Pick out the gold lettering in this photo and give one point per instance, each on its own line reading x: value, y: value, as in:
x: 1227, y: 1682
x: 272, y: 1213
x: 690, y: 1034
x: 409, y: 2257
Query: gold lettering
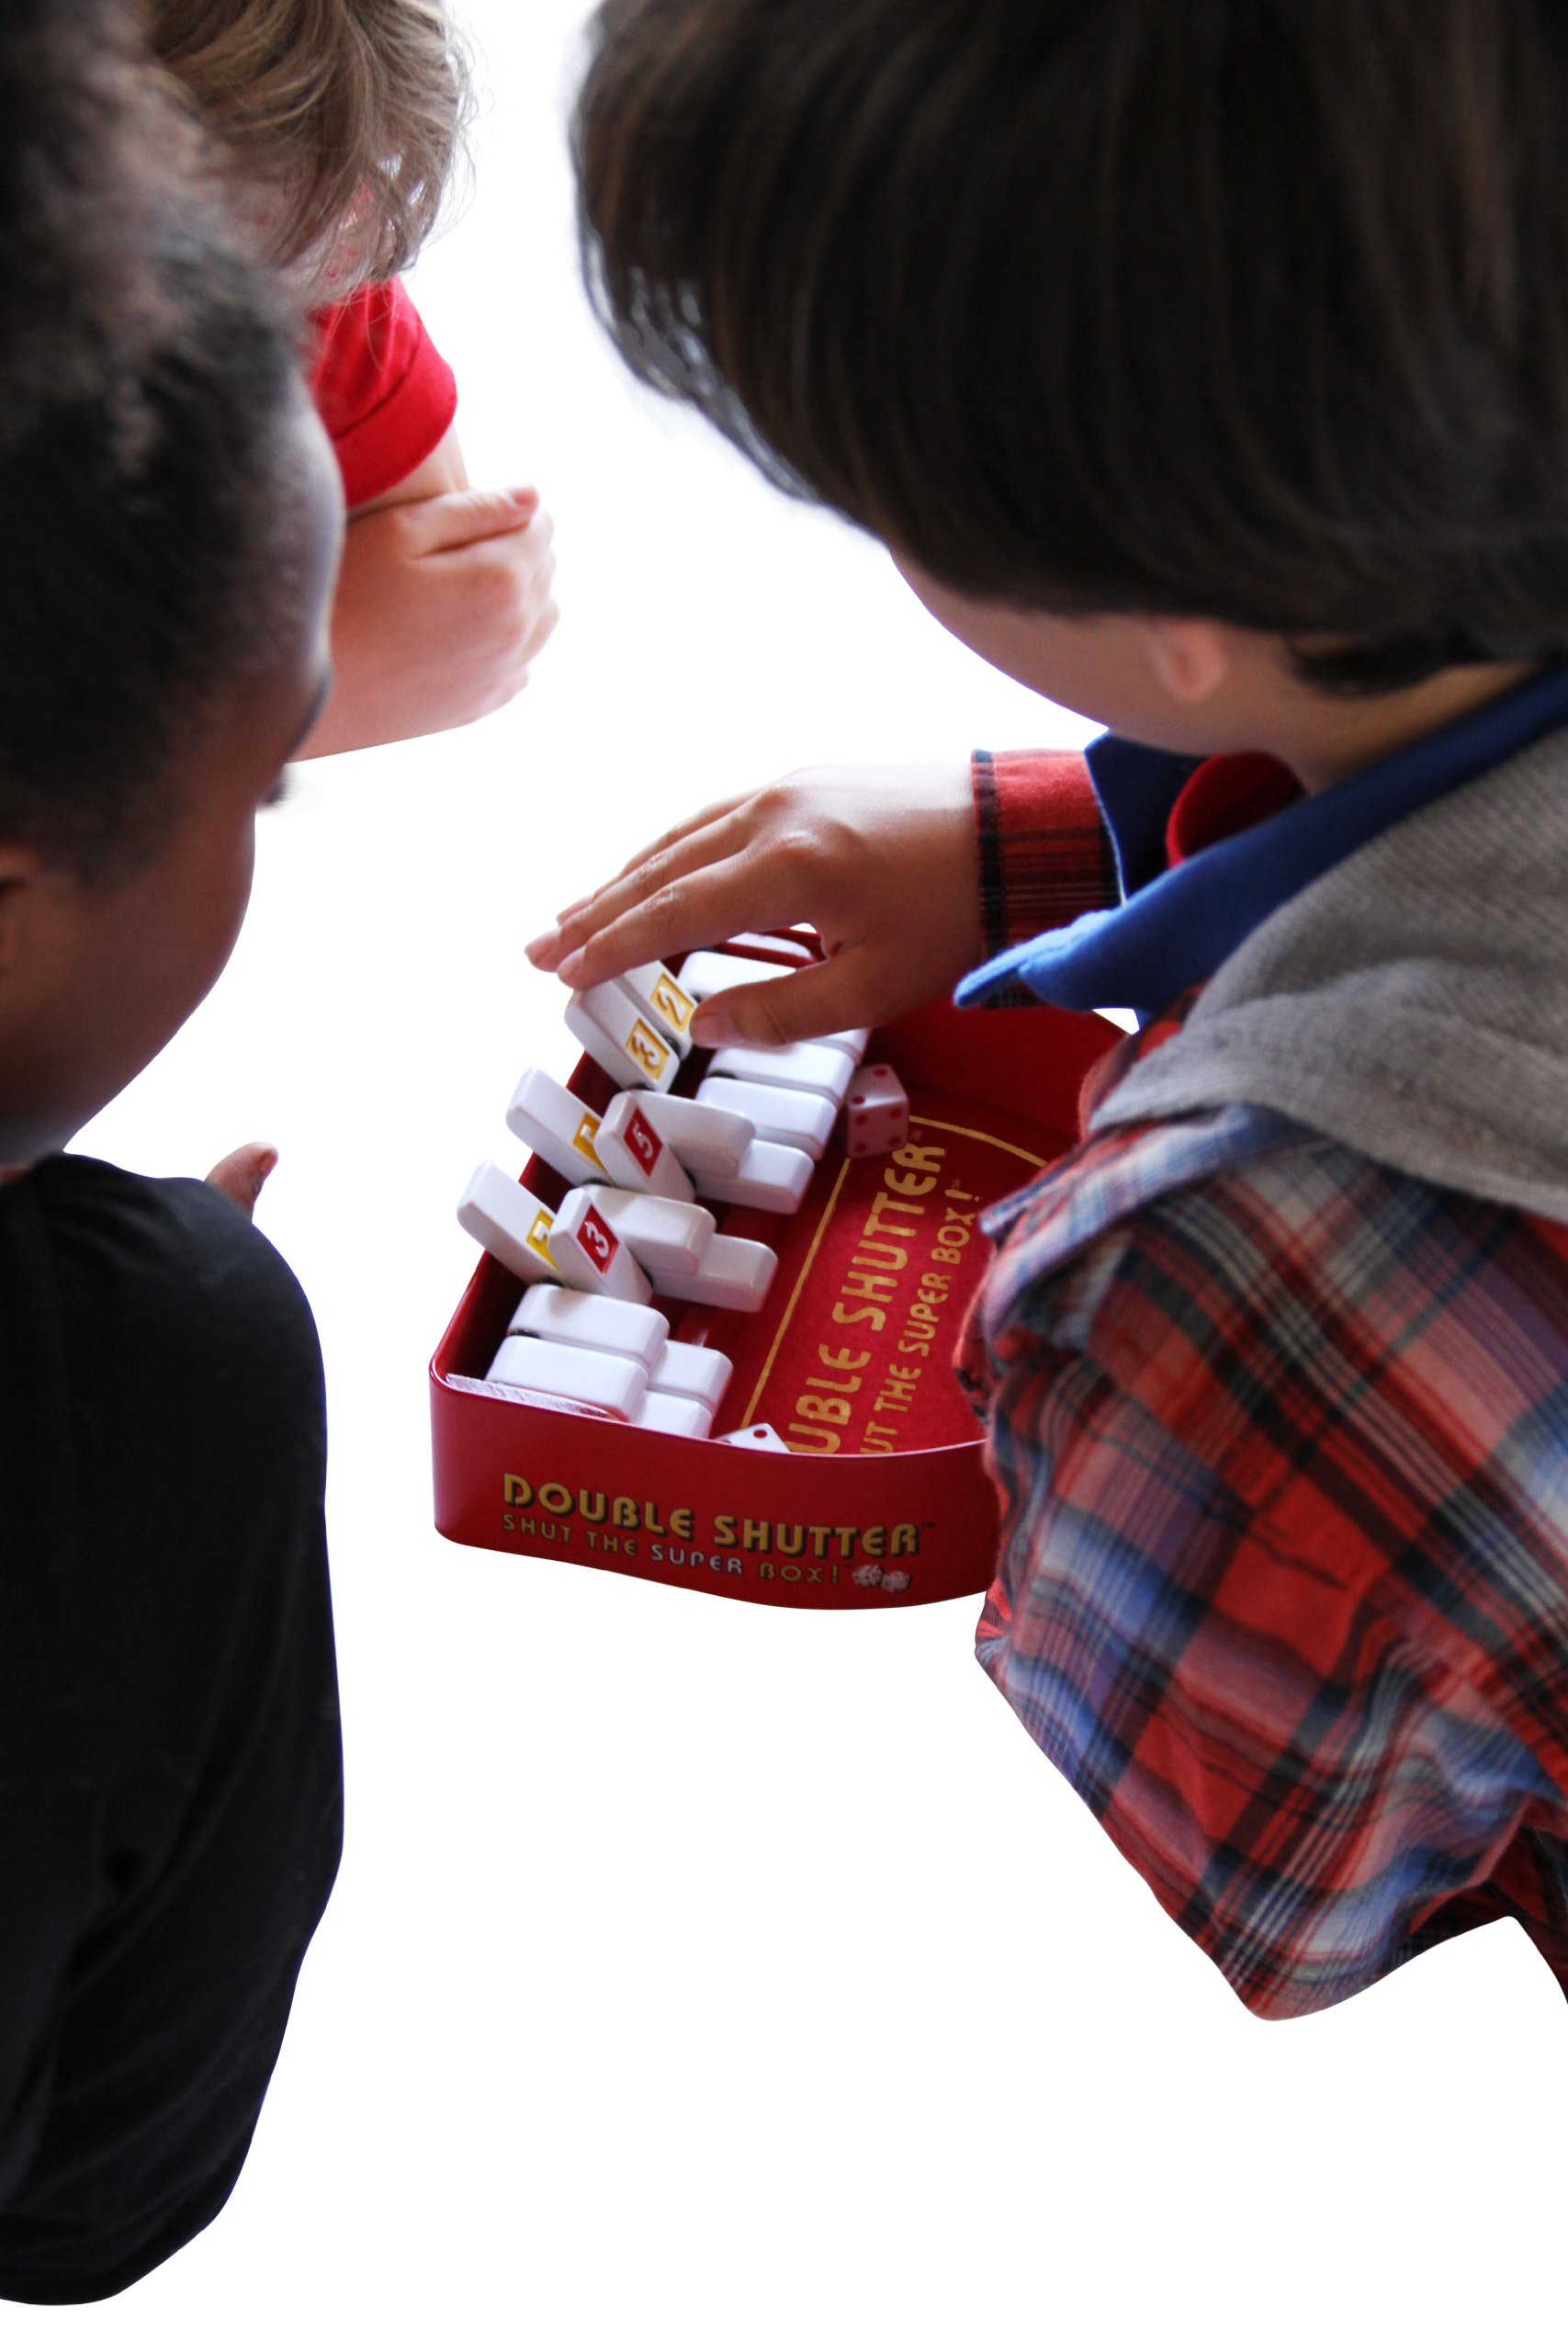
x: 815, y: 1440
x: 871, y: 1315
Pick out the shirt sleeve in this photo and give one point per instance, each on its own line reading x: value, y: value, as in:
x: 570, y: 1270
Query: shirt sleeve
x: 382, y: 390
x: 1045, y: 852
x: 1198, y: 1615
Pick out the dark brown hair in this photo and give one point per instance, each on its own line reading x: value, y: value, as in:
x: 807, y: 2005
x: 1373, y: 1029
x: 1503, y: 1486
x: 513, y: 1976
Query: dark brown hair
x: 149, y: 500
x: 1251, y: 308
x: 347, y: 117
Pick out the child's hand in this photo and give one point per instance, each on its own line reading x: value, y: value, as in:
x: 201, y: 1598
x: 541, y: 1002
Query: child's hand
x: 240, y: 1175
x: 442, y: 604
x: 883, y: 861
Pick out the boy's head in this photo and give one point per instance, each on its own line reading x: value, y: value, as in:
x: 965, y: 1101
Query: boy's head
x: 169, y: 517
x: 1246, y: 309
x: 343, y: 120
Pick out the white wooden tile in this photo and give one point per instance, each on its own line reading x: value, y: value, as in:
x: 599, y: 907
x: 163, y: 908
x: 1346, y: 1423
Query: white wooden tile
x: 682, y: 1371
x: 734, y: 1273
x: 703, y: 1139
x: 772, y: 1176
x: 509, y: 1222
x: 676, y: 1416
x: 852, y: 1041
x: 662, y: 1001
x: 779, y: 1114
x: 742, y: 941
x: 615, y: 1384
x: 664, y: 1236
x: 578, y: 1319
x: 625, y: 1045
x: 814, y: 1069
x: 590, y: 1254
x: 635, y: 1155
x: 550, y: 1120
x: 760, y: 1437
x: 707, y: 971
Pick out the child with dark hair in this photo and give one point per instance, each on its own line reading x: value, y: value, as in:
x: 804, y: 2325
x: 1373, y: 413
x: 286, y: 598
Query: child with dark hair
x: 1204, y: 368
x: 339, y: 126
x: 170, y: 517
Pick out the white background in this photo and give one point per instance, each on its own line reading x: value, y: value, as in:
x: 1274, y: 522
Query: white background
x: 697, y: 1974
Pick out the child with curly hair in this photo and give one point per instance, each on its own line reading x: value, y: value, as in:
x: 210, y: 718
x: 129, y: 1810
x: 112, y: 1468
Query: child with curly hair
x: 340, y: 125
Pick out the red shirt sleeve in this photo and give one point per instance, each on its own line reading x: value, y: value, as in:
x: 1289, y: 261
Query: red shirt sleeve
x: 1045, y: 855
x: 382, y: 390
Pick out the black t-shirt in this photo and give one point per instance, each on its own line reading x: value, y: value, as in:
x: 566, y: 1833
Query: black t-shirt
x: 170, y: 1776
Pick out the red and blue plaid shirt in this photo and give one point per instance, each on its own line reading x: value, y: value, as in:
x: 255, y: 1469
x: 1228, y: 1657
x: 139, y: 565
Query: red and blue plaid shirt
x: 1281, y: 1441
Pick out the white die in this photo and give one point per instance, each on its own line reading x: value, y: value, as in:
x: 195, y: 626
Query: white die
x: 876, y: 1112
x: 760, y: 1437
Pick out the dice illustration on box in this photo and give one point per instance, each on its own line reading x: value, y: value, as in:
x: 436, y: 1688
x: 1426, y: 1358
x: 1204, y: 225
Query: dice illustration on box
x: 876, y: 1112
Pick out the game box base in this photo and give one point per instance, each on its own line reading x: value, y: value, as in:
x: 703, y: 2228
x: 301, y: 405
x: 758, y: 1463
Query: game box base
x: 883, y: 1498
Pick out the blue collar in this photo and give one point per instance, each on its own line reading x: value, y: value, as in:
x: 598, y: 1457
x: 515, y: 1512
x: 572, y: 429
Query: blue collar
x: 1176, y: 927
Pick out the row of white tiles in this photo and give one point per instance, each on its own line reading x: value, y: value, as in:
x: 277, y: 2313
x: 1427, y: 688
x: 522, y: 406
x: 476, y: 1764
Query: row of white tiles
x: 619, y: 1356
x: 585, y: 1330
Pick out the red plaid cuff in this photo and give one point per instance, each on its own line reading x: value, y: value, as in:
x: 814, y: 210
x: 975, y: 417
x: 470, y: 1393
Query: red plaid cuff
x: 1045, y: 853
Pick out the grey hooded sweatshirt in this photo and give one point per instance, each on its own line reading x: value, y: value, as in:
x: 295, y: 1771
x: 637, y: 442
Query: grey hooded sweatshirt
x: 1412, y: 1002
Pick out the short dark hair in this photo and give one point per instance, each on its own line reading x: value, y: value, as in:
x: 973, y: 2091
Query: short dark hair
x: 147, y: 371
x: 1249, y: 309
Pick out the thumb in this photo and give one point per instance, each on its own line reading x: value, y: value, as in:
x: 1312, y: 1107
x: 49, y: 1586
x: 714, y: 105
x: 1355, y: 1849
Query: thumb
x: 837, y: 994
x: 240, y: 1175
x: 461, y: 518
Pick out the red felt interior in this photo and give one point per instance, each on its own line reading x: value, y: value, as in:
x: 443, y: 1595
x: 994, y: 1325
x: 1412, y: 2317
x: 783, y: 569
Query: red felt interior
x: 876, y: 1270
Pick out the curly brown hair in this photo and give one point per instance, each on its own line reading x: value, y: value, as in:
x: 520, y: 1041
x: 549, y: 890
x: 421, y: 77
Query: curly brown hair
x: 346, y: 119
x: 150, y: 492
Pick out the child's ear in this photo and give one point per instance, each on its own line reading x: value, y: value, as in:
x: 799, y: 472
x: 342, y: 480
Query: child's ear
x: 19, y: 868
x: 1191, y: 658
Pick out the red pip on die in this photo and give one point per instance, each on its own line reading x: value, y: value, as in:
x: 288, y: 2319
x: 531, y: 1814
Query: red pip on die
x: 876, y: 1112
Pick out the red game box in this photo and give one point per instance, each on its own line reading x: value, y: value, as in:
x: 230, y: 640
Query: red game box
x: 883, y: 1498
